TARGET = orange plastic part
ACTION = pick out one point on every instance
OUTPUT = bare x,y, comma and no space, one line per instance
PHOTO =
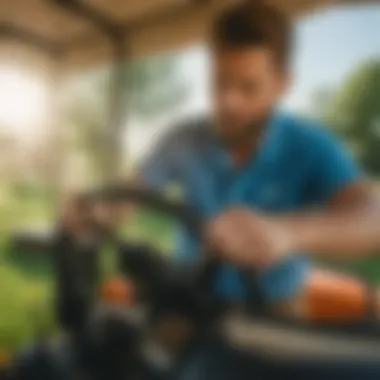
333,297
118,291
5,359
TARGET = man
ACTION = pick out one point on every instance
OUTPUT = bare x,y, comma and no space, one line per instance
276,189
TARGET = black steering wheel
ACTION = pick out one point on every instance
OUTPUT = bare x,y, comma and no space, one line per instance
172,289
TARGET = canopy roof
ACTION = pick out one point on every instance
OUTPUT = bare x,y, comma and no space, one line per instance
82,32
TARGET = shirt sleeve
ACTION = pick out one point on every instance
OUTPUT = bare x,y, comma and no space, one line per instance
160,165
332,168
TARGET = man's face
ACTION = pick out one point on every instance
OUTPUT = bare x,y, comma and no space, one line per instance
247,84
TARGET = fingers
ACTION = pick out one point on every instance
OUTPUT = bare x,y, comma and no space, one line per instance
235,241
245,239
230,236
85,219
75,215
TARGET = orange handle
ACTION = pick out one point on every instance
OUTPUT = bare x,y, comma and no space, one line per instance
118,291
332,297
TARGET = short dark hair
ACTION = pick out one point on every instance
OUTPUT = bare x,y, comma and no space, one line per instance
254,23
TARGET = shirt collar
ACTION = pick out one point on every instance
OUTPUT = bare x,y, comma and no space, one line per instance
268,147
272,139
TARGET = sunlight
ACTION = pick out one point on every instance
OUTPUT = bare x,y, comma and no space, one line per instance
22,101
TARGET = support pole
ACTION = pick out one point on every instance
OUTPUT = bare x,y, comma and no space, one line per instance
56,134
117,110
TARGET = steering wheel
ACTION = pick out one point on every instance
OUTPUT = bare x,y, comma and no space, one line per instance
173,290
267,335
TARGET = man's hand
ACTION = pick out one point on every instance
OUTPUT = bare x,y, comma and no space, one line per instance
84,220
249,240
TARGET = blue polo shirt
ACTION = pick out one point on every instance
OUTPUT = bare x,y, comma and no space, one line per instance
299,165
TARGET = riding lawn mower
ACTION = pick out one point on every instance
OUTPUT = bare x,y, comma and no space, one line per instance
147,323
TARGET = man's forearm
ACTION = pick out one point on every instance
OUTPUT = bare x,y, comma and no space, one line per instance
347,234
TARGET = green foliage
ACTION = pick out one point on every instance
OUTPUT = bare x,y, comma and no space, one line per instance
152,87
27,190
355,112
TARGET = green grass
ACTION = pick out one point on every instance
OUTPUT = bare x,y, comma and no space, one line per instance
24,307
24,295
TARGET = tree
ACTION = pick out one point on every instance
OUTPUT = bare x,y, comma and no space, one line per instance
355,112
153,87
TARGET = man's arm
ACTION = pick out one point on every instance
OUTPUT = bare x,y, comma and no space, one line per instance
346,227
349,228
348,224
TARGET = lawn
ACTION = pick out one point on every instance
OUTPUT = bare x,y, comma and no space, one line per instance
24,293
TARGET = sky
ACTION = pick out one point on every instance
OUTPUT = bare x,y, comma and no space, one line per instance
329,46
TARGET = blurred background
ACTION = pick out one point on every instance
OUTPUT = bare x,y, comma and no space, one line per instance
51,143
